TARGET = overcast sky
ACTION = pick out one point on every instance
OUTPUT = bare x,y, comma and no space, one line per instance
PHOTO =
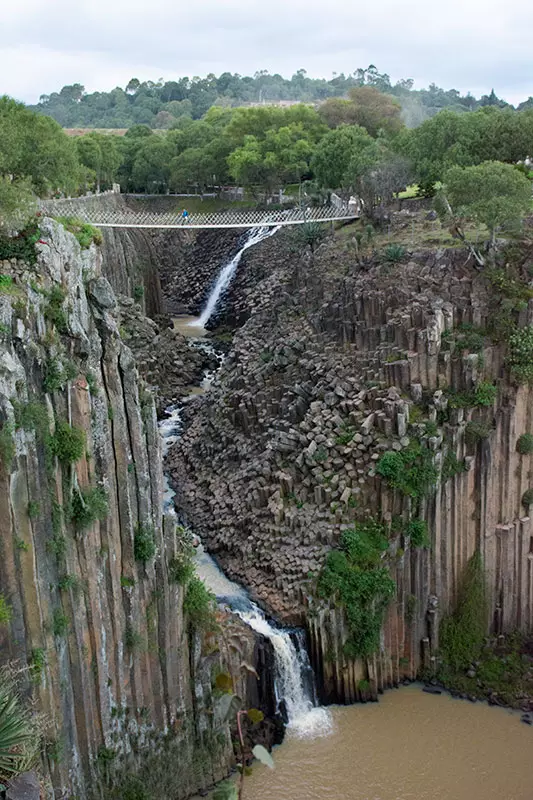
465,44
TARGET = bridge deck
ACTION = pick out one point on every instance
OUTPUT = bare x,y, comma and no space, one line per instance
127,218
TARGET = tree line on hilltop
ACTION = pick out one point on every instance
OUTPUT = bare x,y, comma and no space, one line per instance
159,104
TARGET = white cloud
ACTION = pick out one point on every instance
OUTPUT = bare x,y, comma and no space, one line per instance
465,44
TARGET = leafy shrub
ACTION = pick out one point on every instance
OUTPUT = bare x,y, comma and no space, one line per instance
6,284
411,470
394,253
37,664
54,311
180,569
6,612
22,246
199,605
70,582
87,506
417,530
138,292
67,443
527,498
59,623
85,234
525,444
321,454
19,735
431,428
451,466
310,235
127,583
476,431
355,579
483,395
470,338
462,633
7,445
520,358
144,543
31,417
345,437
57,374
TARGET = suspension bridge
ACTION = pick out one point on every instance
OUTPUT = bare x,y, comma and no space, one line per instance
99,214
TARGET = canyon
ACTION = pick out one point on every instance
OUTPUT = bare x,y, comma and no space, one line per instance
332,359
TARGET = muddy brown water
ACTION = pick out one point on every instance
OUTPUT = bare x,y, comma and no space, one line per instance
409,746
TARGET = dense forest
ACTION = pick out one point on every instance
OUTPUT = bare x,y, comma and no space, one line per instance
159,104
354,145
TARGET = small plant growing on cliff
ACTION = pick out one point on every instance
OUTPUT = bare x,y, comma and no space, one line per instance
59,623
87,506
31,416
199,605
7,445
462,633
417,530
180,569
520,358
138,292
67,444
6,612
85,234
355,579
37,664
411,470
524,444
483,395
451,466
394,254
527,499
33,509
144,543
476,431
54,311
19,733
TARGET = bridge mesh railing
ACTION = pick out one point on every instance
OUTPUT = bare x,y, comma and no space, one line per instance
128,218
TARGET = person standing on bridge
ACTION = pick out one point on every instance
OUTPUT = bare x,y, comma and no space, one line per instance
185,215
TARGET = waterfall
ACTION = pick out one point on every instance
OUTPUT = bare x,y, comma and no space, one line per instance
255,236
294,680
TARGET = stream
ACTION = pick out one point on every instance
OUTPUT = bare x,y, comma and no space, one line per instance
409,746
294,679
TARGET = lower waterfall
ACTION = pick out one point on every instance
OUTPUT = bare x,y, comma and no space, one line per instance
294,679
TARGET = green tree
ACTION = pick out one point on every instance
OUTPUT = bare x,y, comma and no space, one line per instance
494,194
17,205
367,107
343,157
34,147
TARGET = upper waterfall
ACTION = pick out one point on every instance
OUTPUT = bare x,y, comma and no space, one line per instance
255,236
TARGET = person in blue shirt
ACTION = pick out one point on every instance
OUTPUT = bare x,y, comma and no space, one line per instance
185,215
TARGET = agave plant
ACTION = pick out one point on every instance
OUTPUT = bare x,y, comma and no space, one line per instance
19,735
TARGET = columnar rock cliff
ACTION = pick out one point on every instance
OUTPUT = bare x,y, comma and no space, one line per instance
86,558
342,360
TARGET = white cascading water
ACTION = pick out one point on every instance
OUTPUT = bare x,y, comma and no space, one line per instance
255,236
294,679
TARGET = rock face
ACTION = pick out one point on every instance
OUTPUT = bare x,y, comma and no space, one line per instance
336,365
112,660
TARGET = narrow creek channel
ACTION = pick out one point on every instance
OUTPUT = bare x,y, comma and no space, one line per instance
409,746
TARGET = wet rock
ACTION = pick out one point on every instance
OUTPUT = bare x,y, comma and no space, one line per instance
24,787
